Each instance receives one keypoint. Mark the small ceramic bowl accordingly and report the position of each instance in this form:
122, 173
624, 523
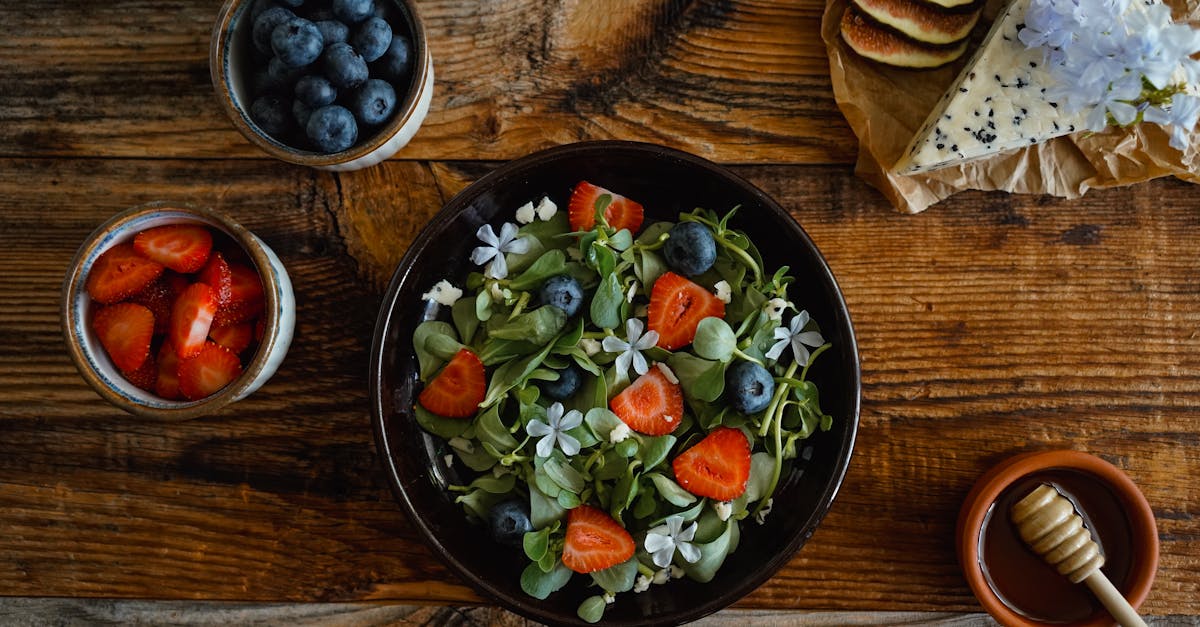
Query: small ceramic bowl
231, 54
93, 362
1012, 583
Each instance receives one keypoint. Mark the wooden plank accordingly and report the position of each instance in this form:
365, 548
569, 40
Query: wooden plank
994, 325
739, 80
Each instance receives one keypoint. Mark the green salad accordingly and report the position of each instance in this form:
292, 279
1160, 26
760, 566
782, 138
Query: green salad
625, 395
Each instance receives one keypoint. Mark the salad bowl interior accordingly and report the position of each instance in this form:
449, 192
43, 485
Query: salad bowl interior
667, 182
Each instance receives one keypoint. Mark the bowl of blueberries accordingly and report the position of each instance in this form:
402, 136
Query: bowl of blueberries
331, 84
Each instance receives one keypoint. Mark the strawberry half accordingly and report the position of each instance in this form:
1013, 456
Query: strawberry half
594, 541
218, 275
167, 384
676, 308
458, 389
246, 299
236, 337
651, 405
125, 331
621, 213
212, 368
144, 377
191, 318
120, 272
717, 467
180, 247
159, 296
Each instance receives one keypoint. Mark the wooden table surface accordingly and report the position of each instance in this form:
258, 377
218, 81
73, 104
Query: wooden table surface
989, 325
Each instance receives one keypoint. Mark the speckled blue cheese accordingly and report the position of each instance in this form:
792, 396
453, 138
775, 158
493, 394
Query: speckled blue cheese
997, 103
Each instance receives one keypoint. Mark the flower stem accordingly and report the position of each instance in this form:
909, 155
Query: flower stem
750, 358
776, 400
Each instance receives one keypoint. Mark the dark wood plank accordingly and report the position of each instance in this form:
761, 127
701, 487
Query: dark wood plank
741, 80
994, 325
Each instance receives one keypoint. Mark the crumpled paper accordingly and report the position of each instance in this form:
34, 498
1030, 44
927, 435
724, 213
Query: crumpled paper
885, 106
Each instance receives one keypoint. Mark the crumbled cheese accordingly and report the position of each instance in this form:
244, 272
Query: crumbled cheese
449, 459
667, 372
526, 213
775, 308
609, 597
669, 418
590, 346
724, 510
676, 572
724, 293
641, 585
574, 253
463, 445
546, 208
443, 293
662, 576
620, 433
761, 517
632, 292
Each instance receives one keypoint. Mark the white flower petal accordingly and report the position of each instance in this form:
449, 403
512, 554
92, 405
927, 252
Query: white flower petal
508, 231
623, 361
639, 363
568, 444
571, 420
545, 446
686, 535
800, 352
782, 333
799, 321
554, 414
519, 246
674, 524
690, 553
657, 542
614, 344
537, 428
649, 340
778, 348
812, 338
662, 557
483, 254
487, 235
497, 268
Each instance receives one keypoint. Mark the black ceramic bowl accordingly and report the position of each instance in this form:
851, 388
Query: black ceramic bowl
667, 182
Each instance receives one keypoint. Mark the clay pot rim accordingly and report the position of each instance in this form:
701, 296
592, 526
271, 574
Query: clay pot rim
989, 487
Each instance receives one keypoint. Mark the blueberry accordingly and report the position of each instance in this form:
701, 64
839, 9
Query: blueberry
371, 38
265, 24
749, 387
259, 6
509, 522
301, 112
297, 42
566, 385
283, 76
315, 90
396, 62
564, 292
691, 249
272, 114
343, 66
374, 102
353, 11
333, 31
320, 15
332, 128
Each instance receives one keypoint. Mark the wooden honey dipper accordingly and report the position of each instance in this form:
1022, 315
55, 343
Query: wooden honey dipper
1049, 524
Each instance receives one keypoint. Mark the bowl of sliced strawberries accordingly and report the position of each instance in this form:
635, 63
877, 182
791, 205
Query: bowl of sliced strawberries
172, 311
614, 382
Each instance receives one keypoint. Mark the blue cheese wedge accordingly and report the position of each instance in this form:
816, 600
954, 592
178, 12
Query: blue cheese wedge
997, 103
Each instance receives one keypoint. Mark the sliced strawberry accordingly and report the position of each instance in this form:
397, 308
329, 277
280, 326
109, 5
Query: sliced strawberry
717, 467
191, 318
217, 275
144, 377
458, 389
125, 331
120, 272
237, 313
235, 337
246, 299
594, 541
159, 296
167, 384
621, 213
651, 405
676, 308
180, 247
212, 368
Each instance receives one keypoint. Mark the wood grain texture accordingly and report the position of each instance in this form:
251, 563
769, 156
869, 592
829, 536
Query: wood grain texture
995, 325
732, 80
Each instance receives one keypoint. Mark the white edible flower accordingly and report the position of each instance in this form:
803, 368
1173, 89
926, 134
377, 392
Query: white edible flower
590, 346
631, 347
663, 540
775, 308
724, 510
632, 292
609, 597
492, 252
619, 434
795, 336
761, 516
462, 444
661, 576
526, 213
556, 431
546, 208
667, 372
443, 293
641, 585
723, 291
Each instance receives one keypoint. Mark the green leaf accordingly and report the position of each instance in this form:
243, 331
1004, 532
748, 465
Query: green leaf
564, 475
762, 465
551, 263
465, 322
497, 351
478, 459
700, 378
511, 374
618, 578
648, 267
602, 421
714, 339
606, 304
646, 504
621, 240
429, 362
443, 427
592, 609
650, 234
627, 448
543, 510
443, 347
568, 500
611, 466
491, 430
538, 326
713, 554
623, 493
569, 340
483, 305
670, 491
541, 585
652, 451
536, 543
548, 561
479, 502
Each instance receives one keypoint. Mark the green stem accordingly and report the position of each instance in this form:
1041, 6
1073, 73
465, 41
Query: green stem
778, 433
776, 400
645, 570
750, 358
813, 357
520, 306
745, 258
655, 245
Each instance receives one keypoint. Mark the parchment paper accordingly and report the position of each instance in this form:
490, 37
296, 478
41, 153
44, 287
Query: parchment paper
886, 105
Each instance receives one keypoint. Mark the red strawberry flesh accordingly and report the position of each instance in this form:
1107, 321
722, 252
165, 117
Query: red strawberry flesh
594, 541
651, 405
120, 272
191, 319
125, 331
212, 368
621, 212
180, 247
458, 389
716, 467
677, 306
